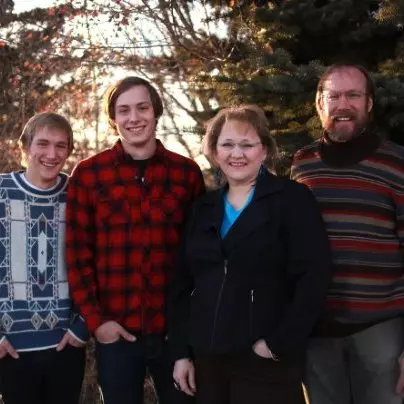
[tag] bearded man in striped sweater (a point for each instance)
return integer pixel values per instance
(358, 180)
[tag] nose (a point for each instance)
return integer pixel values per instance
(343, 102)
(51, 152)
(133, 115)
(237, 151)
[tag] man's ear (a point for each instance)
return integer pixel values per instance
(370, 104)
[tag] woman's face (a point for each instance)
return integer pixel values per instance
(239, 152)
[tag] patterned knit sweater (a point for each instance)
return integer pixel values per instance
(360, 190)
(35, 308)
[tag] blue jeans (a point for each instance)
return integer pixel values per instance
(122, 369)
(43, 377)
(358, 369)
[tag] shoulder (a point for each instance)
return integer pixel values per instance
(297, 202)
(7, 180)
(207, 200)
(291, 194)
(308, 150)
(91, 169)
(100, 158)
(176, 159)
(7, 176)
(291, 188)
(392, 149)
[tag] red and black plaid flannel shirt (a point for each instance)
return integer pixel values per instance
(123, 233)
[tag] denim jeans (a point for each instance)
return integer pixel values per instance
(43, 377)
(122, 369)
(358, 369)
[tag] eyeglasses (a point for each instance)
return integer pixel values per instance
(333, 97)
(243, 146)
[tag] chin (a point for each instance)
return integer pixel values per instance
(239, 180)
(344, 136)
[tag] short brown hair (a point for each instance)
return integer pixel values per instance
(250, 114)
(115, 90)
(45, 120)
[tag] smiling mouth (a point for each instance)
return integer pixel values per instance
(49, 165)
(135, 130)
(343, 118)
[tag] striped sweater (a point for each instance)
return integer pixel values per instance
(362, 203)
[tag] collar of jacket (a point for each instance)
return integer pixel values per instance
(119, 154)
(253, 215)
(267, 183)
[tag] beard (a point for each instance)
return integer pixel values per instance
(344, 131)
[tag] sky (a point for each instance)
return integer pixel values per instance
(24, 5)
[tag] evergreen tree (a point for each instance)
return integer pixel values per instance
(286, 46)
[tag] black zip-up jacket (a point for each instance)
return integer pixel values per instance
(266, 279)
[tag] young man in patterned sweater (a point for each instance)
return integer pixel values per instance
(126, 210)
(41, 350)
(358, 180)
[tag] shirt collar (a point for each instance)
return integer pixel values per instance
(120, 155)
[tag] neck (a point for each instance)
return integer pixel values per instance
(238, 193)
(141, 152)
(38, 182)
(344, 154)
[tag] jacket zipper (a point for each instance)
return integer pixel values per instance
(219, 298)
(251, 311)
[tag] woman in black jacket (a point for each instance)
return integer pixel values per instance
(253, 274)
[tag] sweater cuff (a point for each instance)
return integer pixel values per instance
(79, 330)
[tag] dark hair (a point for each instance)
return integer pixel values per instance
(115, 90)
(45, 120)
(250, 114)
(370, 86)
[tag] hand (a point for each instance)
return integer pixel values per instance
(111, 331)
(69, 339)
(7, 349)
(184, 376)
(261, 349)
(400, 381)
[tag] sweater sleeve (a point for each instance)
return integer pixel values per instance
(78, 328)
(398, 198)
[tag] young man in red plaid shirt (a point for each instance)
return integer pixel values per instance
(126, 210)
